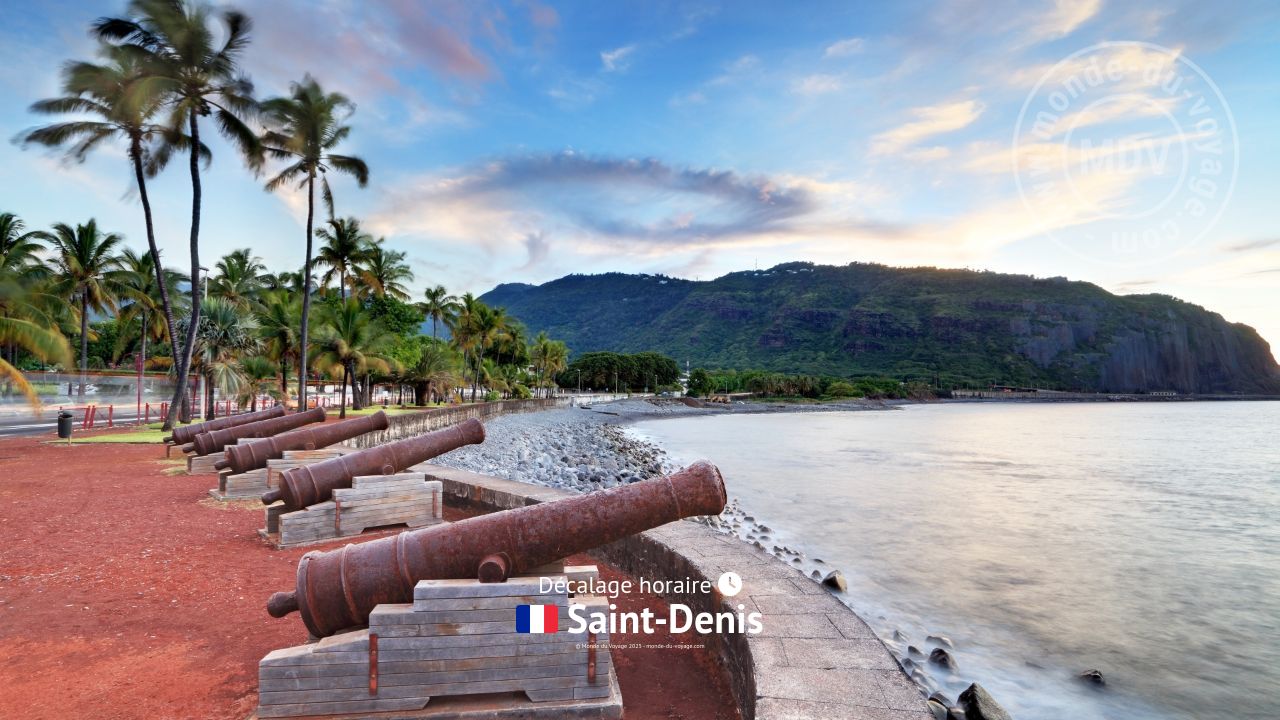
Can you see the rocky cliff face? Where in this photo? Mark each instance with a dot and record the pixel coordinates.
(961, 327)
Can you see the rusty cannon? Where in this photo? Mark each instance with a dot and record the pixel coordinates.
(211, 442)
(253, 455)
(311, 484)
(184, 434)
(338, 589)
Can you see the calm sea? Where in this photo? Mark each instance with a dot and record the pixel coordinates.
(1140, 539)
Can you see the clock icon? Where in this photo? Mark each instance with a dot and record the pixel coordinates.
(729, 584)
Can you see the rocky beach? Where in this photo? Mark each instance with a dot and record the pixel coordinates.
(587, 448)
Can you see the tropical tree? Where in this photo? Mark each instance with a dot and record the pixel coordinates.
(239, 277)
(20, 264)
(384, 272)
(303, 129)
(87, 271)
(343, 251)
(259, 378)
(440, 306)
(20, 249)
(140, 302)
(435, 373)
(279, 315)
(198, 77)
(23, 325)
(226, 333)
(351, 341)
(549, 357)
(124, 103)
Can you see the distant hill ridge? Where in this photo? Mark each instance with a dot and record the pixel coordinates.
(966, 327)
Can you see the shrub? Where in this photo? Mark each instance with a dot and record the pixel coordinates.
(842, 389)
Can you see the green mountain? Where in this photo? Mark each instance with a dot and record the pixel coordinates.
(964, 327)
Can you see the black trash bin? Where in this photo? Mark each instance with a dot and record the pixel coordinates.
(64, 425)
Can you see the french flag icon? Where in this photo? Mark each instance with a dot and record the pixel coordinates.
(537, 618)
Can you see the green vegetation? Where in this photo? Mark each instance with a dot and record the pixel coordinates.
(165, 66)
(772, 385)
(944, 328)
(615, 371)
(137, 436)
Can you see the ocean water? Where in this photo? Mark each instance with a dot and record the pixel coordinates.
(1140, 539)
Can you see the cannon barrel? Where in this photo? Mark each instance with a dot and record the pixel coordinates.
(215, 441)
(253, 455)
(339, 588)
(314, 483)
(183, 434)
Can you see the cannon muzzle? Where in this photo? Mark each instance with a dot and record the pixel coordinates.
(215, 441)
(183, 434)
(314, 483)
(339, 588)
(253, 455)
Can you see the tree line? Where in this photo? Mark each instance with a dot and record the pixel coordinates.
(247, 341)
(165, 70)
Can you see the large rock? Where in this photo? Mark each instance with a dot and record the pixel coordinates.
(835, 580)
(978, 704)
(942, 658)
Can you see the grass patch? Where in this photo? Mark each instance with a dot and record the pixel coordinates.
(136, 436)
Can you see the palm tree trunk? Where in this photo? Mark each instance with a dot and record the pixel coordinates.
(189, 344)
(135, 152)
(284, 377)
(210, 412)
(342, 411)
(355, 391)
(306, 296)
(342, 285)
(84, 339)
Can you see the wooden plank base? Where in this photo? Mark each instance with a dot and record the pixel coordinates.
(374, 501)
(457, 638)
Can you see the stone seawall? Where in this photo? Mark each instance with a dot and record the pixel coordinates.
(815, 658)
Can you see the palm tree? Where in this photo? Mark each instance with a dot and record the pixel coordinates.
(435, 373)
(125, 104)
(278, 317)
(439, 306)
(239, 277)
(139, 294)
(225, 334)
(259, 374)
(549, 357)
(383, 272)
(342, 253)
(20, 249)
(198, 78)
(304, 129)
(24, 325)
(20, 263)
(465, 329)
(87, 271)
(353, 342)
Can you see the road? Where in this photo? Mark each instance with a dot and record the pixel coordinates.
(14, 425)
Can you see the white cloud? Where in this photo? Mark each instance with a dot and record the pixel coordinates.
(1063, 19)
(844, 48)
(816, 85)
(616, 60)
(930, 121)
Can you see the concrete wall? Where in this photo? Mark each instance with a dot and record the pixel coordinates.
(815, 659)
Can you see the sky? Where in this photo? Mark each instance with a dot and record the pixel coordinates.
(1129, 144)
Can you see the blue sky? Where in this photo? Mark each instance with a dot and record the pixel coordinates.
(523, 141)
